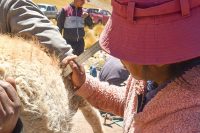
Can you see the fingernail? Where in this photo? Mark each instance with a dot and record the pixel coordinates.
(71, 63)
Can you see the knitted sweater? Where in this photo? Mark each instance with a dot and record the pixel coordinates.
(174, 109)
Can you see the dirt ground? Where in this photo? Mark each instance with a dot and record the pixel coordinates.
(81, 125)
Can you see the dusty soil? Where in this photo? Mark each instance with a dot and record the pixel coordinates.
(81, 125)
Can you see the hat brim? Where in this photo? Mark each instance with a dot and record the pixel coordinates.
(153, 40)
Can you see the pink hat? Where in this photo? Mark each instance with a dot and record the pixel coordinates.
(153, 31)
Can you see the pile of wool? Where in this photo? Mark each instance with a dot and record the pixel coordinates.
(44, 99)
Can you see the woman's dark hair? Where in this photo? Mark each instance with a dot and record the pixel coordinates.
(178, 69)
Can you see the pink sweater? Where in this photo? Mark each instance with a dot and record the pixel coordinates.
(174, 109)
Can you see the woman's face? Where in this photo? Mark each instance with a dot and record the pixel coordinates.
(148, 72)
(79, 3)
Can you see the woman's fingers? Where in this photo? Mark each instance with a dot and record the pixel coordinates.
(2, 112)
(78, 75)
(78, 72)
(9, 106)
(75, 67)
(66, 60)
(10, 91)
(5, 101)
(11, 81)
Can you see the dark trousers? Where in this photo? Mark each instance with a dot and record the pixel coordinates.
(77, 46)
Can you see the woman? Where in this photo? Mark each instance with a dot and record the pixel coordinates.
(156, 40)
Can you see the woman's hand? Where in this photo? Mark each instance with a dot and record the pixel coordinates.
(78, 73)
(9, 105)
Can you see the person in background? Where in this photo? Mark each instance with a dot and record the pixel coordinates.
(71, 23)
(113, 72)
(156, 40)
(23, 18)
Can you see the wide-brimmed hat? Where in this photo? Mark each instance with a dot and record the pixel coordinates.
(153, 31)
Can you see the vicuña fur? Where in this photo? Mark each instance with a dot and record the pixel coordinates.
(47, 107)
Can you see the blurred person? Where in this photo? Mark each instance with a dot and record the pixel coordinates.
(156, 40)
(113, 72)
(71, 23)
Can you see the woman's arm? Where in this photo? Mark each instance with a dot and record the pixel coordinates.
(101, 95)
